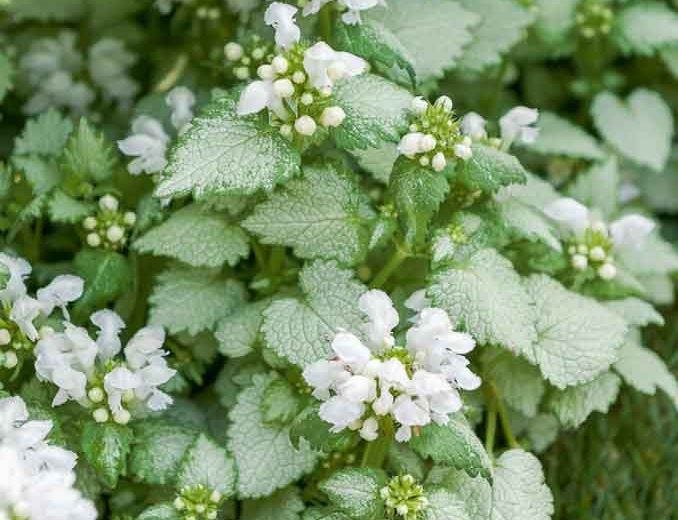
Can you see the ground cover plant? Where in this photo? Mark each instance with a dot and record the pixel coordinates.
(337, 260)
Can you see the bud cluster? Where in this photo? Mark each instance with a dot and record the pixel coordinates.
(434, 137)
(12, 340)
(198, 503)
(404, 498)
(244, 59)
(594, 18)
(109, 228)
(593, 250)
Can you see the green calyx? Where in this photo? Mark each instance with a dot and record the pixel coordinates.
(198, 503)
(404, 498)
(594, 18)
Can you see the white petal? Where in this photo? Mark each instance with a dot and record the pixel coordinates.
(340, 412)
(473, 125)
(144, 345)
(383, 318)
(62, 290)
(569, 213)
(109, 324)
(358, 389)
(18, 270)
(281, 17)
(255, 97)
(409, 412)
(392, 373)
(350, 350)
(631, 231)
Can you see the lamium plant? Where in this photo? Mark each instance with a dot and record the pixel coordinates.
(325, 260)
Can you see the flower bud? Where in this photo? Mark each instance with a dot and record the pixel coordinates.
(280, 64)
(89, 223)
(298, 77)
(115, 233)
(306, 98)
(96, 394)
(599, 227)
(597, 254)
(463, 151)
(419, 105)
(233, 51)
(215, 497)
(607, 271)
(108, 203)
(286, 130)
(5, 337)
(258, 53)
(93, 240)
(445, 103)
(439, 162)
(179, 504)
(332, 116)
(130, 218)
(100, 415)
(427, 143)
(241, 73)
(265, 72)
(580, 262)
(122, 417)
(11, 359)
(424, 160)
(283, 88)
(305, 125)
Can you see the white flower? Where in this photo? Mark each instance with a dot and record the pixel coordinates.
(631, 231)
(410, 144)
(181, 101)
(607, 271)
(332, 116)
(325, 66)
(19, 269)
(463, 150)
(370, 429)
(259, 95)
(109, 62)
(358, 389)
(281, 17)
(352, 16)
(439, 162)
(61, 291)
(382, 319)
(473, 125)
(570, 214)
(109, 324)
(515, 125)
(417, 301)
(350, 350)
(305, 125)
(340, 412)
(148, 143)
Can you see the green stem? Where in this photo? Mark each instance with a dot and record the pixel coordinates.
(325, 22)
(394, 262)
(491, 427)
(505, 421)
(277, 259)
(259, 255)
(170, 79)
(376, 451)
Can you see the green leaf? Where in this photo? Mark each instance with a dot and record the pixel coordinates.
(309, 426)
(107, 275)
(489, 169)
(225, 153)
(659, 190)
(432, 31)
(598, 187)
(669, 56)
(644, 28)
(280, 403)
(317, 513)
(44, 135)
(259, 448)
(528, 222)
(285, 504)
(323, 215)
(159, 446)
(656, 256)
(636, 312)
(376, 111)
(6, 75)
(519, 383)
(42, 174)
(519, 491)
(542, 431)
(418, 192)
(355, 491)
(502, 25)
(577, 338)
(554, 23)
(455, 445)
(239, 332)
(68, 210)
(193, 300)
(207, 464)
(646, 371)
(197, 237)
(106, 447)
(486, 297)
(378, 161)
(640, 128)
(557, 136)
(301, 329)
(403, 460)
(374, 42)
(165, 511)
(574, 404)
(457, 495)
(88, 154)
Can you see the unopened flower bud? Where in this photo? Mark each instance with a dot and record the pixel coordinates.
(45, 331)
(597, 254)
(265, 72)
(419, 105)
(130, 218)
(424, 160)
(215, 497)
(96, 394)
(580, 262)
(200, 508)
(233, 51)
(93, 240)
(607, 271)
(283, 88)
(100, 415)
(122, 417)
(427, 143)
(305, 125)
(463, 151)
(258, 53)
(306, 98)
(280, 64)
(179, 503)
(445, 103)
(332, 116)
(212, 515)
(286, 130)
(439, 162)
(108, 203)
(5, 337)
(89, 223)
(298, 77)
(11, 359)
(115, 233)
(326, 92)
(599, 227)
(241, 73)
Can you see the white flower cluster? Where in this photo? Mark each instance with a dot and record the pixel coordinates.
(36, 479)
(434, 137)
(52, 65)
(295, 86)
(243, 60)
(109, 228)
(369, 383)
(91, 372)
(18, 329)
(515, 125)
(354, 8)
(149, 141)
(592, 242)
